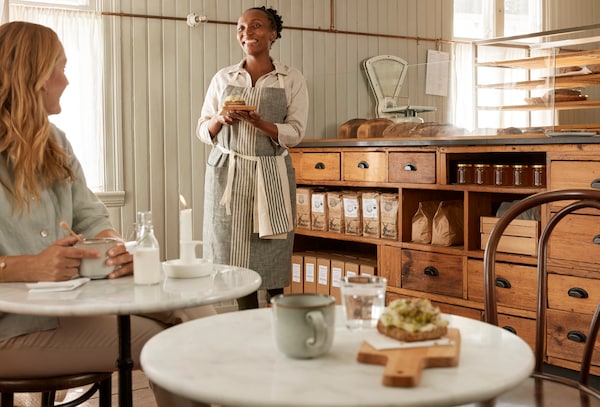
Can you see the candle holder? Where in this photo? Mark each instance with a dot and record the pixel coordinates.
(188, 265)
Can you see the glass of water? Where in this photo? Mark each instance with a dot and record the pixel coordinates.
(363, 299)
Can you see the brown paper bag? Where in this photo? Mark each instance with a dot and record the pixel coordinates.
(422, 221)
(389, 216)
(448, 224)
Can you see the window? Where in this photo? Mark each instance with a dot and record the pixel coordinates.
(79, 26)
(482, 19)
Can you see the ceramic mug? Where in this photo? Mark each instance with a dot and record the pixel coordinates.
(96, 268)
(303, 324)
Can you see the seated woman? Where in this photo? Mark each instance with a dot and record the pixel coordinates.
(42, 184)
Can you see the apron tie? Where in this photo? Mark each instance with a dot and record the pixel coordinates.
(272, 205)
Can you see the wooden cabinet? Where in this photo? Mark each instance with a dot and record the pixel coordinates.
(418, 170)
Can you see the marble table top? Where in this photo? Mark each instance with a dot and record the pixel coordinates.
(231, 359)
(122, 296)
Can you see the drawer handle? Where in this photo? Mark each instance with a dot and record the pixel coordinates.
(431, 271)
(410, 167)
(577, 292)
(502, 282)
(596, 239)
(319, 166)
(595, 183)
(576, 336)
(510, 329)
(363, 164)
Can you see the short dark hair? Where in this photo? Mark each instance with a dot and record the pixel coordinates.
(274, 18)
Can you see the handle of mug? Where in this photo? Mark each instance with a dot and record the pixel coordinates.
(315, 318)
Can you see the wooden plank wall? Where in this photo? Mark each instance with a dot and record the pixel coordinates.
(159, 70)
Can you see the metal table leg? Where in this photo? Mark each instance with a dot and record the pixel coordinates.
(125, 362)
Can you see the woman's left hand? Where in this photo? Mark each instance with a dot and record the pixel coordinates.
(252, 117)
(121, 259)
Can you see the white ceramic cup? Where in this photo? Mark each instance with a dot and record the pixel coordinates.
(363, 298)
(303, 324)
(96, 268)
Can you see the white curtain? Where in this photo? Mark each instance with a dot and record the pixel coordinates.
(3, 11)
(82, 103)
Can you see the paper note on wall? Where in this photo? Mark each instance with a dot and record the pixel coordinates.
(438, 66)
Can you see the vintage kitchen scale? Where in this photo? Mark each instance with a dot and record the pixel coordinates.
(386, 74)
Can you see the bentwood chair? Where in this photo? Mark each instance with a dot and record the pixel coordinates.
(48, 386)
(544, 388)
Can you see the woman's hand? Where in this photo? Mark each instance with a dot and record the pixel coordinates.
(59, 261)
(121, 259)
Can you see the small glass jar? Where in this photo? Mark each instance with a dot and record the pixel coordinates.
(502, 175)
(464, 173)
(521, 175)
(483, 174)
(538, 175)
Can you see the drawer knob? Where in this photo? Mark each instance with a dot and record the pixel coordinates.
(431, 271)
(577, 292)
(319, 166)
(363, 164)
(410, 167)
(596, 239)
(510, 329)
(576, 336)
(502, 282)
(595, 183)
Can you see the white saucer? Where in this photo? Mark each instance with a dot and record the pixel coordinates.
(198, 268)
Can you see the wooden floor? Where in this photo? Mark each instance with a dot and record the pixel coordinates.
(142, 394)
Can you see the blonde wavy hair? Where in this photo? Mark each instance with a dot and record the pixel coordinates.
(28, 55)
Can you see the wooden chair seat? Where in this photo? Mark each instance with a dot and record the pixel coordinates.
(49, 385)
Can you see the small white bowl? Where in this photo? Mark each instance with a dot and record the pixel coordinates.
(178, 269)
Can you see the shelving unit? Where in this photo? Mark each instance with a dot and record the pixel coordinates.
(552, 60)
(457, 284)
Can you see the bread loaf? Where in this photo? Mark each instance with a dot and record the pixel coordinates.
(373, 128)
(433, 129)
(401, 129)
(349, 128)
(563, 95)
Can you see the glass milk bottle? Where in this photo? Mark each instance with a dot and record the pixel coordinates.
(146, 259)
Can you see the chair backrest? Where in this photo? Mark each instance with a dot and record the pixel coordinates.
(581, 198)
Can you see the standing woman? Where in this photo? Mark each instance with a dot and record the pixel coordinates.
(250, 190)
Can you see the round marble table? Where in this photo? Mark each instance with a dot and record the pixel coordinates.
(231, 360)
(122, 298)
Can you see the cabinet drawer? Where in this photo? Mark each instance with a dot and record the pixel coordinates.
(573, 294)
(432, 272)
(523, 327)
(365, 166)
(573, 174)
(416, 168)
(516, 285)
(564, 330)
(319, 167)
(573, 239)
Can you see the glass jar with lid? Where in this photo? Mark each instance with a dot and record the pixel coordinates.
(538, 175)
(521, 175)
(483, 174)
(502, 175)
(464, 173)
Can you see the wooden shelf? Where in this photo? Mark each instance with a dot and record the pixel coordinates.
(560, 82)
(549, 61)
(579, 104)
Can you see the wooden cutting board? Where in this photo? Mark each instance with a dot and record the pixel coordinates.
(403, 367)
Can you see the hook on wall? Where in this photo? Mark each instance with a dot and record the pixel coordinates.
(194, 20)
